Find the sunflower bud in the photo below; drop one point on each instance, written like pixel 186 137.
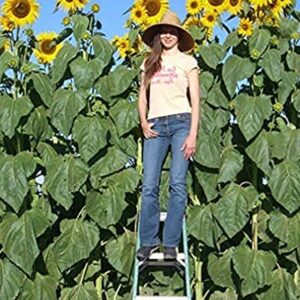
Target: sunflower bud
pixel 271 125
pixel 295 36
pixel 274 40
pixel 262 196
pixel 25 69
pixel 95 8
pixel 54 140
pixel 231 105
pixel 29 32
pixel 13 63
pixel 66 21
pixel 278 107
pixel 86 36
pixel 254 54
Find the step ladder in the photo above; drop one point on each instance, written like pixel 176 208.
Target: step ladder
pixel 157 259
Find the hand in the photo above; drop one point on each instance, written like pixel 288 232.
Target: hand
pixel 147 131
pixel 189 147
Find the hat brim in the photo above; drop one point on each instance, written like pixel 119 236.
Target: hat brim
pixel 186 41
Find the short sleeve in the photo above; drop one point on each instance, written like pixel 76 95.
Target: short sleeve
pixel 191 63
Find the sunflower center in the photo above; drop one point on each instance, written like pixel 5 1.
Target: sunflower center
pixel 138 14
pixel 233 2
pixel 21 9
pixel 194 5
pixel 47 47
pixel 245 27
pixel 69 1
pixel 152 7
pixel 215 2
pixel 210 18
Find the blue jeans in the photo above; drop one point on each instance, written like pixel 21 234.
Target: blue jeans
pixel 173 130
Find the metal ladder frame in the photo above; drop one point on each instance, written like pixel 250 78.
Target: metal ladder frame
pixel 182 261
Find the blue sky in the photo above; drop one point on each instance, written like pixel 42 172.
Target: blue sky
pixel 110 15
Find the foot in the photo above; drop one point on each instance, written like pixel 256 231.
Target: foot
pixel 144 252
pixel 170 253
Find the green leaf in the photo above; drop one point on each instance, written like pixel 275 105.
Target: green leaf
pixel 212 54
pixel 125 116
pixel 255 270
pixel 216 97
pixel 77 240
pixel 272 65
pixel 293 61
pixel 120 252
pixel 251 113
pixel 219 269
pixel 11 280
pixel 235 69
pixel 43 87
pixel 79 292
pixel 65 176
pixel 229 294
pixel 288 26
pixel 259 41
pixel 206 81
pixel 11 111
pixel 202 225
pixel 5 58
pixel 285 185
pixel 91 135
pixel 80 26
pixel 234 205
pixel 285 229
pixel 43 287
pixel 61 62
pixel 208 183
pixel 20 244
pixel 231 164
pixel 296 100
pixel 232 39
pixel 103 49
pixel 286 85
pixel 47 152
pixel 282 287
pixel 64 109
pixel 259 152
pixel 113 161
pixel 14 185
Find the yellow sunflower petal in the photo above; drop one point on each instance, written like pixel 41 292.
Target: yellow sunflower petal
pixel 155 9
pixel 260 3
pixel 194 7
pixel 6 24
pixel 209 19
pixel 71 5
pixel 46 50
pixel 139 13
pixel 216 5
pixel 245 27
pixel 21 12
pixel 234 6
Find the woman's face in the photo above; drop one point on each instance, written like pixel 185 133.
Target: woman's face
pixel 169 36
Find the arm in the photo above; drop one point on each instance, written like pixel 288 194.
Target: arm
pixel 189 146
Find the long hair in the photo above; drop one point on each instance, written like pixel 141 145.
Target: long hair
pixel 153 61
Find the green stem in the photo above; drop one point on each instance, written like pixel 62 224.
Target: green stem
pixel 83 273
pixel 198 278
pixel 254 231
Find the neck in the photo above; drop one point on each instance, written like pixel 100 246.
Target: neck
pixel 171 51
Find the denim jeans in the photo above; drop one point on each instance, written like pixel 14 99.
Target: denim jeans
pixel 173 130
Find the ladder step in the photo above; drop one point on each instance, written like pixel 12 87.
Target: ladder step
pixel 163 216
pixel 161 297
pixel 160 256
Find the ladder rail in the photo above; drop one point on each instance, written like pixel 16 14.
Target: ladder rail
pixel 186 254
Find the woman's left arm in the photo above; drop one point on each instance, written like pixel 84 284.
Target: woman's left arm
pixel 189 146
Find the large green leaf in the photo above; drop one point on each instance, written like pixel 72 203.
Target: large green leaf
pixel 282 287
pixel 232 39
pixel 102 48
pixel 251 113
pixel 293 61
pixel 120 252
pixel 43 87
pixel 43 287
pixel 235 69
pixel 285 229
pixel 202 225
pixel 259 41
pixel 64 109
pixel 216 97
pixel 5 57
pixel 13 183
pixel 286 85
pixel 113 161
pixel 91 135
pixel 11 111
pixel 231 164
pixel 79 292
pixel 208 183
pixel 253 267
pixel 206 81
pixel 20 244
pixel 219 269
pixel 285 185
pixel 272 65
pixel 61 62
pixel 125 116
pixel 296 100
pixel 11 280
pixel 212 54
pixel 81 23
pixel 47 152
pixel 64 177
pixel 232 210
pixel 229 294
pixel 259 152
pixel 77 240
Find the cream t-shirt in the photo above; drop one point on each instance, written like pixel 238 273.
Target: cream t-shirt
pixel 168 87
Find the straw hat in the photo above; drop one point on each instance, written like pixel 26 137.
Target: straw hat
pixel 186 41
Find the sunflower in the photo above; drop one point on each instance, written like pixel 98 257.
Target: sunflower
pixel 234 6
pixel 47 49
pixel 139 13
pixel 276 8
pixel 260 3
pixel 245 27
pixel 122 44
pixel 190 21
pixel 209 19
pixel 155 9
pixel 21 12
pixel 217 5
pixel 285 3
pixel 6 24
pixel 5 46
pixel 71 5
pixel 194 7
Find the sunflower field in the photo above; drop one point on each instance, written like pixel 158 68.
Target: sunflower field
pixel 71 163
